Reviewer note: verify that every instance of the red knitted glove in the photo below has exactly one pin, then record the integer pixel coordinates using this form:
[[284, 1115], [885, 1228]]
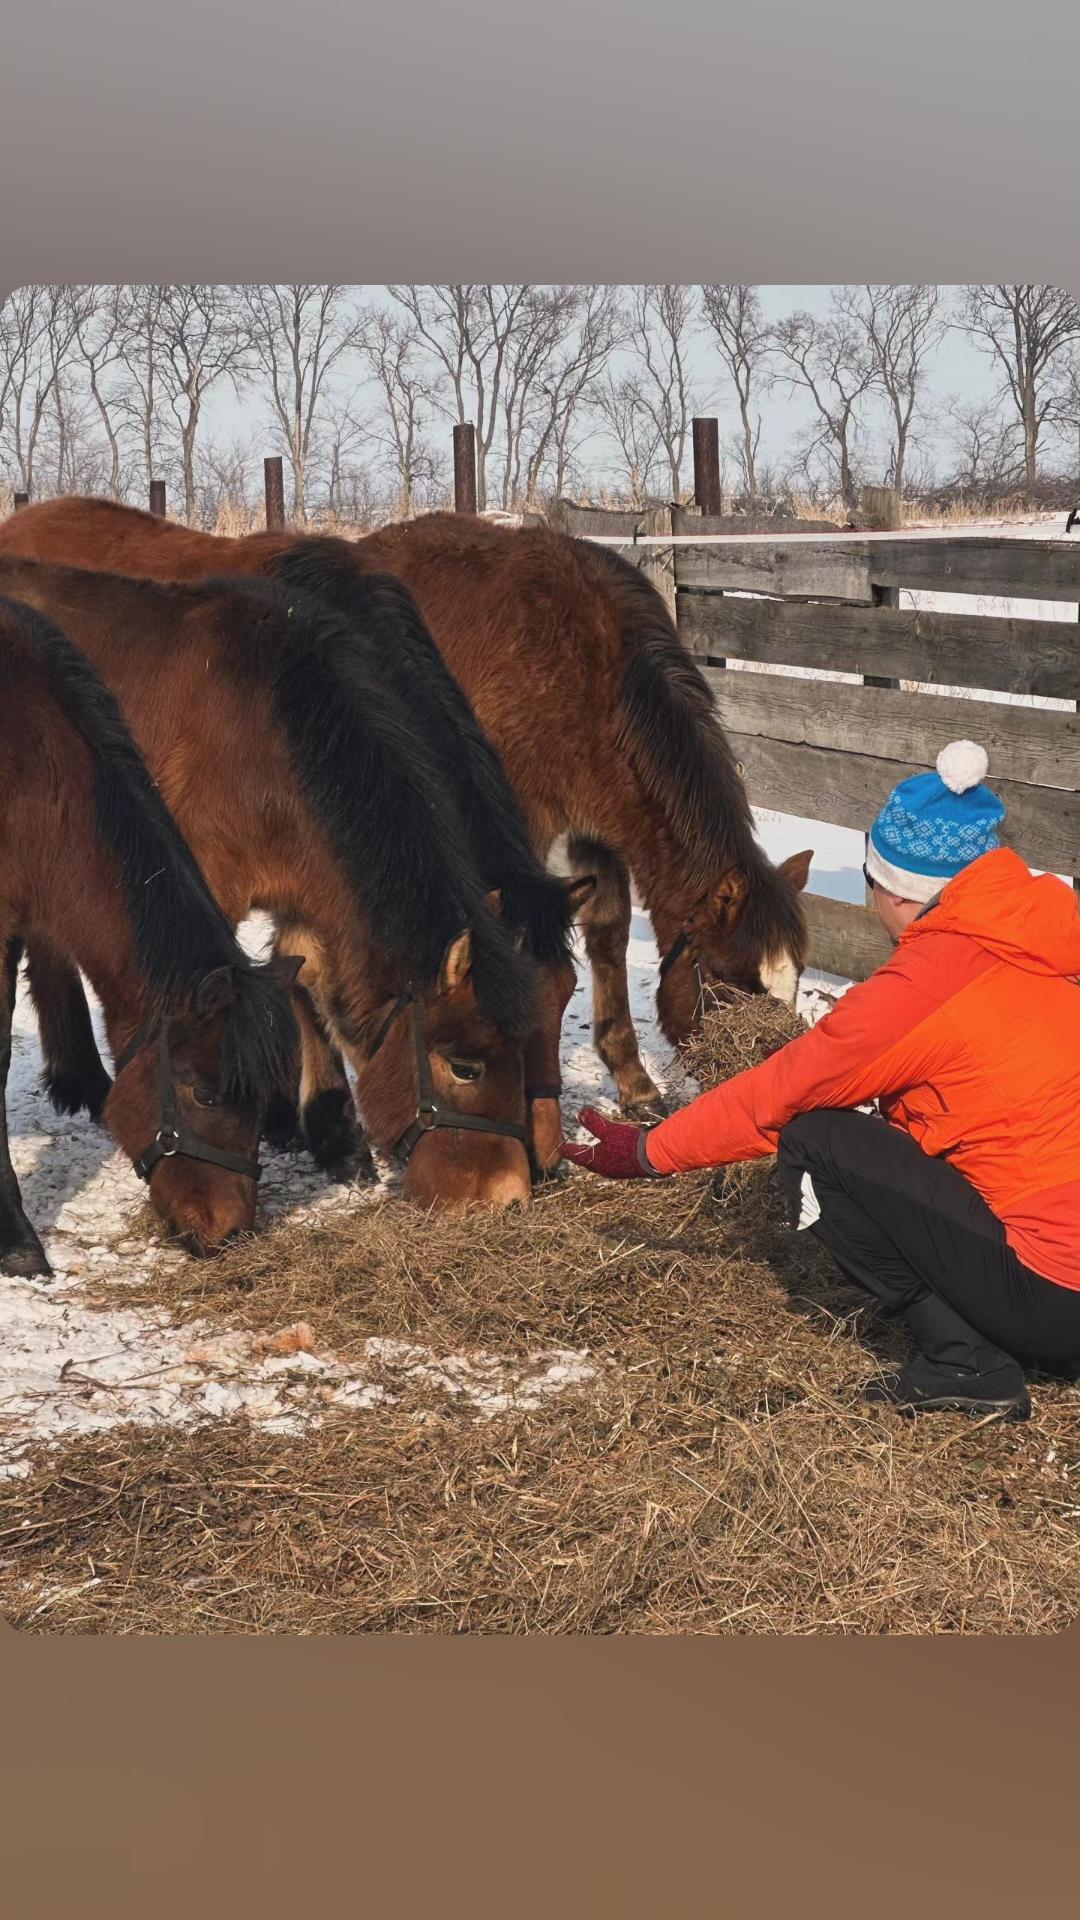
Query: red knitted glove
[[620, 1150]]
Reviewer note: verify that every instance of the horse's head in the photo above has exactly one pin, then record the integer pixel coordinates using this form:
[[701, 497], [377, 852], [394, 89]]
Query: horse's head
[[748, 932], [189, 1095], [443, 1085]]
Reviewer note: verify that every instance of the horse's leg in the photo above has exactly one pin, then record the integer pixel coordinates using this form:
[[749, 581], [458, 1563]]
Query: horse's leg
[[605, 924], [21, 1251], [543, 1073], [328, 1121], [72, 1072]]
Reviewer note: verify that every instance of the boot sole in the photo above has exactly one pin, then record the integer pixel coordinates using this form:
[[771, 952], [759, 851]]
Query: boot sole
[[949, 1403]]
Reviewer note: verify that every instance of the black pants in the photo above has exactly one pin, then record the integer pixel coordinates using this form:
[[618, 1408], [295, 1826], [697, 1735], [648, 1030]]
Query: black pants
[[915, 1233]]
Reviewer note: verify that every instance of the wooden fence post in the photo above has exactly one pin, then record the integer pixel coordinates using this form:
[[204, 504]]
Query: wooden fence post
[[274, 490], [19, 500], [465, 467], [157, 498], [707, 465]]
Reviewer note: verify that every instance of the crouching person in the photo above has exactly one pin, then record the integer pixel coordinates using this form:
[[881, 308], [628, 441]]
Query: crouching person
[[959, 1207]]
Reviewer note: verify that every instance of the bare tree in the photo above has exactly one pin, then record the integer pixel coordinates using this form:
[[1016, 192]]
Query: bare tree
[[295, 337], [902, 328], [545, 318], [36, 335], [630, 419], [390, 350], [483, 338], [1024, 329], [99, 336], [744, 342], [598, 328], [200, 340], [1067, 406], [986, 445], [141, 388], [661, 327], [830, 361]]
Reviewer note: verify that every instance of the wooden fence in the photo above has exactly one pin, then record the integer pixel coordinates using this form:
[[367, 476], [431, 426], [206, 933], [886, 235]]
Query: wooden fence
[[830, 750]]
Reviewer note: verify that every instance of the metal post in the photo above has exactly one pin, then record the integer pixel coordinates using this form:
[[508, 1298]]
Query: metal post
[[274, 487], [707, 465], [465, 467], [157, 498], [19, 500]]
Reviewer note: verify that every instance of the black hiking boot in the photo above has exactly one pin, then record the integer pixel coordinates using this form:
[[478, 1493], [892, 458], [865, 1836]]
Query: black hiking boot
[[926, 1387]]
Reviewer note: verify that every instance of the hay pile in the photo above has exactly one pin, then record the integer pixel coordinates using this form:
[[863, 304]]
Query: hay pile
[[718, 1474]]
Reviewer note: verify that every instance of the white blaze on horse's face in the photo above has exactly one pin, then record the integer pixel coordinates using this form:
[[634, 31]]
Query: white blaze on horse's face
[[780, 977]]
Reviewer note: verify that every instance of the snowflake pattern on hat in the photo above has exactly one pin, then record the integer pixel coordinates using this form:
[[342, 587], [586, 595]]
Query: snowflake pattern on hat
[[936, 823]]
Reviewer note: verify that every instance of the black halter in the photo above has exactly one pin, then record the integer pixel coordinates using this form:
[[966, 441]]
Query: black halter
[[174, 1136], [430, 1113]]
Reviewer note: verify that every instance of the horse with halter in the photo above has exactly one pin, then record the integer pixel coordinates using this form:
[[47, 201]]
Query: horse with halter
[[297, 777], [94, 871], [605, 728]]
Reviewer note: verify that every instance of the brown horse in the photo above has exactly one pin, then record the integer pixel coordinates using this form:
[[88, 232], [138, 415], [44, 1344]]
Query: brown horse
[[606, 729], [93, 868], [303, 793]]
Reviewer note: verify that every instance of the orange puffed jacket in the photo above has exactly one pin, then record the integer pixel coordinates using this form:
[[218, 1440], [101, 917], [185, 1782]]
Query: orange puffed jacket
[[969, 1039]]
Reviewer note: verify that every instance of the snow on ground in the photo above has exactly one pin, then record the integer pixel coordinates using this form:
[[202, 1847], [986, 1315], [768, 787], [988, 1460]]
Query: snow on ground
[[71, 1363]]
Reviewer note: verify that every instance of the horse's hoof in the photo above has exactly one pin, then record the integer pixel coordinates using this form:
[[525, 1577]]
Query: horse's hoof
[[26, 1263], [652, 1107], [336, 1141], [78, 1092], [550, 1176], [281, 1125]]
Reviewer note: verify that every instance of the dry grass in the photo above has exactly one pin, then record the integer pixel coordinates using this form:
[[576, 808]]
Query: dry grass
[[719, 1474]]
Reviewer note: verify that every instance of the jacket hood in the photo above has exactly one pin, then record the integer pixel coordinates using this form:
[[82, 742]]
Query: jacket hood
[[1030, 922]]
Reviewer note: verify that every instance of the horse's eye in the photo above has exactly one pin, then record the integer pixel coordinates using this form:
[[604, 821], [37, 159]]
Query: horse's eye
[[465, 1069], [205, 1097]]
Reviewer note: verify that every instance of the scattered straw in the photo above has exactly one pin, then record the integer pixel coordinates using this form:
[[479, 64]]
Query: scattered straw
[[715, 1472]]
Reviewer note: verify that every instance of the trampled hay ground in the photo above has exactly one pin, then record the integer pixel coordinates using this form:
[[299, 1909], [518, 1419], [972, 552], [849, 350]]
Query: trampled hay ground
[[649, 1422]]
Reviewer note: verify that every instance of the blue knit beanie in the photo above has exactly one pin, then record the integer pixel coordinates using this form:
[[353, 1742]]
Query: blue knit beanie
[[935, 824]]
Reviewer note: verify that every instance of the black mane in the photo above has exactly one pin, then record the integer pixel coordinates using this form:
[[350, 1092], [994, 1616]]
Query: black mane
[[384, 805], [679, 750], [384, 617], [673, 738], [179, 932]]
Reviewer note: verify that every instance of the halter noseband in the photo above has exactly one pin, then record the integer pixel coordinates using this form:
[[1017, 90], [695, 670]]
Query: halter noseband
[[174, 1137], [430, 1113]]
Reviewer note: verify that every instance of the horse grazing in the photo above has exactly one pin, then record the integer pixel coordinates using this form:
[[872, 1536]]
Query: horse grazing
[[94, 870], [297, 778], [606, 729]]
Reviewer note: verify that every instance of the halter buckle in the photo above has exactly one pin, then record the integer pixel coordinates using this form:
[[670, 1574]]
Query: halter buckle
[[168, 1133]]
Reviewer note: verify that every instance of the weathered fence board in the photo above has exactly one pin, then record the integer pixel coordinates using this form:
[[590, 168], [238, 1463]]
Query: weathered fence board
[[736, 525], [1030, 744], [943, 649], [850, 941], [801, 567], [847, 789], [846, 567]]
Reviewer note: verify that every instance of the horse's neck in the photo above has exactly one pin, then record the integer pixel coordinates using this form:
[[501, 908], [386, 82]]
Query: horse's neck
[[80, 908], [655, 859]]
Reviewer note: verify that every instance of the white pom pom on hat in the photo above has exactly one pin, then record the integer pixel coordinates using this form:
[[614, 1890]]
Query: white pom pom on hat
[[962, 764]]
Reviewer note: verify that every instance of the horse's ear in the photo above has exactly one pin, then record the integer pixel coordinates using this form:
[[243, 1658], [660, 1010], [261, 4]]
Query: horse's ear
[[493, 901], [796, 869], [457, 963], [579, 889], [215, 992]]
